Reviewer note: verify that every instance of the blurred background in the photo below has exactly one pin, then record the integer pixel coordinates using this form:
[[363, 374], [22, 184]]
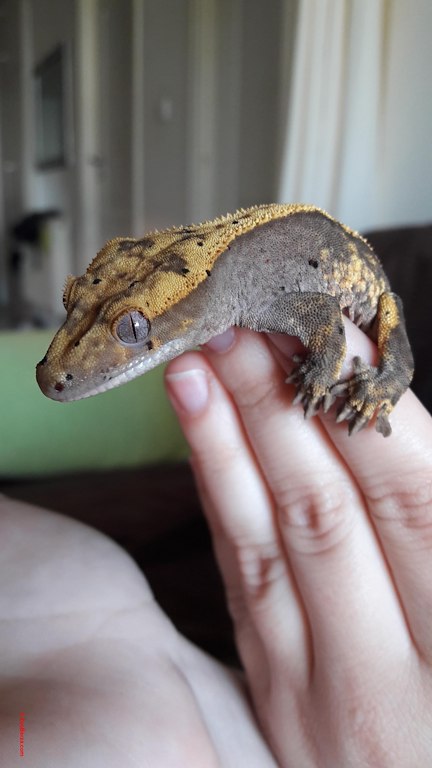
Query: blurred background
[[120, 116]]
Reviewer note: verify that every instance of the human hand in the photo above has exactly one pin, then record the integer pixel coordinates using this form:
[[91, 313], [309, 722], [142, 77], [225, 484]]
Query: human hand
[[325, 547], [94, 671]]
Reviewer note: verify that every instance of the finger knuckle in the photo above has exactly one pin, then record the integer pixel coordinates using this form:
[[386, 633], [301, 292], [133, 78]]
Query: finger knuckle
[[260, 394], [316, 521], [407, 503], [259, 566]]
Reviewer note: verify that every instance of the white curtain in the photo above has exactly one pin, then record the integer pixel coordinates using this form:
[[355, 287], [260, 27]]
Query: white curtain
[[359, 95]]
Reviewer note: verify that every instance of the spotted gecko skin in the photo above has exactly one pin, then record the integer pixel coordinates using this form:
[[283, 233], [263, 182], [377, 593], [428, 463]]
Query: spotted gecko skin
[[276, 268]]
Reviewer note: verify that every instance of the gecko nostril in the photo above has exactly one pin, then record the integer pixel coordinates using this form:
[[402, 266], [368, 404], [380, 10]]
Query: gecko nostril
[[69, 377]]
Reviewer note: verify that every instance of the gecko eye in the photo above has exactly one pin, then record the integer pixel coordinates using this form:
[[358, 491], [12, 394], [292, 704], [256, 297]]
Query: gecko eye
[[132, 327]]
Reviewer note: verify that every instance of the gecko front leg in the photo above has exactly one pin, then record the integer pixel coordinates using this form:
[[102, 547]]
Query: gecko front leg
[[316, 319]]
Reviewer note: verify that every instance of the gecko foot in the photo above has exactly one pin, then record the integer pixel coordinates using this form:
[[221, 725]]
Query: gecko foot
[[366, 394], [313, 390]]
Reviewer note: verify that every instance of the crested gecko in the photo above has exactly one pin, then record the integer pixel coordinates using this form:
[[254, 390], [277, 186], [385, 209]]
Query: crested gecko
[[276, 268]]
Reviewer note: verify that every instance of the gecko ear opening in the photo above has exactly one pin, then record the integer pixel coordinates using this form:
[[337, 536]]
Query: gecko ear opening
[[131, 327]]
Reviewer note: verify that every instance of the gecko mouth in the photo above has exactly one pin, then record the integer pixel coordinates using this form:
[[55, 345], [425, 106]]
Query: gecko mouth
[[68, 395], [67, 387]]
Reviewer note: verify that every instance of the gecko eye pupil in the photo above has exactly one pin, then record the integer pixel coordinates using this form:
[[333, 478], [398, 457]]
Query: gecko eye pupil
[[132, 327]]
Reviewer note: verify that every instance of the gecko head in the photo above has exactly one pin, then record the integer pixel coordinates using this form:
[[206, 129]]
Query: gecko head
[[127, 313], [81, 364], [120, 321]]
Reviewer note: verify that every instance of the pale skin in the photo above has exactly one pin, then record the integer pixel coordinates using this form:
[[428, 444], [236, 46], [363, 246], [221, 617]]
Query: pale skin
[[324, 543]]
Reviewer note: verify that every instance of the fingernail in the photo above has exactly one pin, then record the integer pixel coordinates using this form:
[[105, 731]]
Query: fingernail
[[188, 390], [223, 342]]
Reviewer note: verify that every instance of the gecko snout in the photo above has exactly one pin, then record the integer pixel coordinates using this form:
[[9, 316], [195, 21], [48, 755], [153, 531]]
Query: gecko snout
[[53, 386]]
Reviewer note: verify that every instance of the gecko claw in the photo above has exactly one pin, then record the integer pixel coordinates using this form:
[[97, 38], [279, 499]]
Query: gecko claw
[[357, 423], [329, 399], [293, 378], [298, 398], [346, 413], [311, 408]]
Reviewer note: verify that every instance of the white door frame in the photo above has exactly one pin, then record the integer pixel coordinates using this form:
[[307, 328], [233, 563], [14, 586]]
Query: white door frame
[[87, 222]]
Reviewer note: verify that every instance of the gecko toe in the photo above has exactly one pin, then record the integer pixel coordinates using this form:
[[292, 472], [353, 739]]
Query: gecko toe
[[383, 425], [340, 389]]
